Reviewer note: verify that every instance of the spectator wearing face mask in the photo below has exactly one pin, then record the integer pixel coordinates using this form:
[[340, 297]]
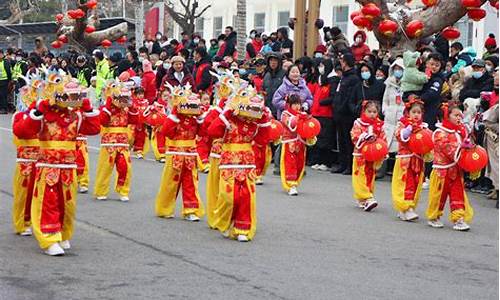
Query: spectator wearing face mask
[[161, 71], [202, 67], [359, 49], [491, 63], [464, 58], [178, 75], [370, 88], [381, 73], [491, 46], [214, 47], [255, 44], [481, 81], [156, 49]]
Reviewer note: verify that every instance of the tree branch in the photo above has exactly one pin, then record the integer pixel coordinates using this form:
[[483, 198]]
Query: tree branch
[[203, 11]]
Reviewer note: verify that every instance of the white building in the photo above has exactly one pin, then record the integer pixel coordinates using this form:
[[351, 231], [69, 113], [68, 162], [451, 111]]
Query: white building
[[268, 15]]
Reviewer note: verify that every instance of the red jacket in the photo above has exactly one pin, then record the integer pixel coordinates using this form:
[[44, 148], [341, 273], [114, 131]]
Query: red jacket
[[361, 49], [148, 83], [170, 78], [320, 93]]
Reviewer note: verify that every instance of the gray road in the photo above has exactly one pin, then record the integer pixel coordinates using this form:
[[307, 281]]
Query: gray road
[[314, 246]]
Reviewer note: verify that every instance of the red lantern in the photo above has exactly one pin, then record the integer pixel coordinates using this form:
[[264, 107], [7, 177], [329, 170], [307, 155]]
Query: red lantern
[[414, 29], [275, 130], [89, 29], [371, 11], [72, 14], [494, 3], [375, 151], [354, 14], [388, 28], [476, 14], [421, 142], [361, 21], [79, 14], [122, 39], [473, 160], [91, 4], [106, 43], [59, 18], [56, 44], [429, 3], [155, 118], [450, 33], [308, 128], [470, 4], [63, 38]]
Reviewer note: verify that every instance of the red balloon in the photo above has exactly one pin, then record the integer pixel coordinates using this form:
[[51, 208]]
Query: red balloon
[[89, 29], [450, 33], [275, 130], [308, 128], [421, 142], [91, 4], [59, 18], [56, 44], [63, 38], [375, 151], [473, 160], [106, 43]]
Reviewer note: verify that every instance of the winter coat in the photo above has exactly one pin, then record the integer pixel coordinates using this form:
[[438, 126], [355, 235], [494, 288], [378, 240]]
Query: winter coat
[[148, 83], [473, 87], [170, 78], [253, 48], [272, 81], [229, 46], [465, 58], [338, 44], [413, 80], [392, 107], [344, 105], [320, 93], [288, 88], [361, 49], [431, 96]]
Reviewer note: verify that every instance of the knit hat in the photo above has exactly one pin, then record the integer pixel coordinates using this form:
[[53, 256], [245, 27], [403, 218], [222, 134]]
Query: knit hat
[[147, 66], [493, 59], [490, 42], [177, 58], [321, 49]]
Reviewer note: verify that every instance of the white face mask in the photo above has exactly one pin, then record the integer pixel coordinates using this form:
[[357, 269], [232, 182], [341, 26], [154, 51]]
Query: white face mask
[[359, 40], [489, 68], [321, 70], [18, 58], [196, 41], [252, 36], [166, 66], [141, 59]]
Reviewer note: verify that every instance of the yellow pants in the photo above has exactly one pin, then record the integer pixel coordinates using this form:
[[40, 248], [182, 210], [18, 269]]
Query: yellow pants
[[292, 165], [158, 150], [22, 188], [406, 186], [105, 165], [363, 179], [83, 175], [227, 216], [440, 189], [45, 207], [212, 191], [172, 181]]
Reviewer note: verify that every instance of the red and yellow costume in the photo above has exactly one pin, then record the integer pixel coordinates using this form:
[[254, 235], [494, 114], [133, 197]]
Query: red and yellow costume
[[180, 171], [293, 153], [263, 153], [203, 144], [235, 211], [447, 179], [82, 162], [54, 195], [408, 175], [115, 118], [140, 131], [363, 172]]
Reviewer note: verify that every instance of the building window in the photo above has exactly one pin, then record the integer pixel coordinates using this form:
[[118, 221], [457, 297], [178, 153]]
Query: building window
[[259, 22], [283, 17], [234, 22], [341, 17], [466, 27], [199, 26], [217, 26]]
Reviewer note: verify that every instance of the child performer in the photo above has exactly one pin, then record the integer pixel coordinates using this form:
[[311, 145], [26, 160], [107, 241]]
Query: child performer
[[293, 154], [140, 131], [203, 143], [158, 139], [263, 154], [408, 175], [367, 128], [180, 171], [115, 117], [447, 179]]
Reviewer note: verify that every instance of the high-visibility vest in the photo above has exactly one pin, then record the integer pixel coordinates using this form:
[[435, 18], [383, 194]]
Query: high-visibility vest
[[18, 69], [3, 72], [81, 77]]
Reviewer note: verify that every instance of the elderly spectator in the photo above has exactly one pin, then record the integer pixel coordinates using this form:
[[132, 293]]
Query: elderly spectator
[[177, 74], [481, 81]]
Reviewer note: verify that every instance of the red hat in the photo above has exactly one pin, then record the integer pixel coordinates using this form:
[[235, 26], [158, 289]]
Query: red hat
[[321, 48], [490, 42]]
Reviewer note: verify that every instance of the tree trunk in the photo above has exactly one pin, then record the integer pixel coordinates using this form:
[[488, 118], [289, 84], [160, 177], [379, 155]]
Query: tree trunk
[[241, 27]]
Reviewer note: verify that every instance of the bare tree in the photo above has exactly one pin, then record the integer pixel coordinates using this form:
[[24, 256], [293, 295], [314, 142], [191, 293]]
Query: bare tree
[[434, 18], [19, 9], [74, 29], [187, 16]]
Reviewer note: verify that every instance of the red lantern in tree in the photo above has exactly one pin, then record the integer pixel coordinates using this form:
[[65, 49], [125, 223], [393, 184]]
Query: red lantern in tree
[[361, 21], [59, 18], [371, 11], [79, 14], [122, 39], [308, 128], [63, 38], [494, 3], [275, 130], [72, 14], [89, 29], [473, 160], [375, 150], [106, 43], [56, 44], [388, 28], [450, 33], [414, 28], [429, 3], [354, 14], [476, 14], [91, 4], [421, 142], [470, 4]]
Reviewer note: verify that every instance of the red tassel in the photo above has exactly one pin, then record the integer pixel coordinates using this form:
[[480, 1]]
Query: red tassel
[[35, 192], [25, 182], [176, 177], [68, 195]]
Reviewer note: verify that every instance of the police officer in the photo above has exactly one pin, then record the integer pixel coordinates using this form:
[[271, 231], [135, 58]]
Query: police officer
[[5, 78], [84, 72]]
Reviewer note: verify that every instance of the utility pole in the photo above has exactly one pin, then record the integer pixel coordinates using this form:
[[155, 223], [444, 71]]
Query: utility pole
[[139, 25], [299, 29]]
